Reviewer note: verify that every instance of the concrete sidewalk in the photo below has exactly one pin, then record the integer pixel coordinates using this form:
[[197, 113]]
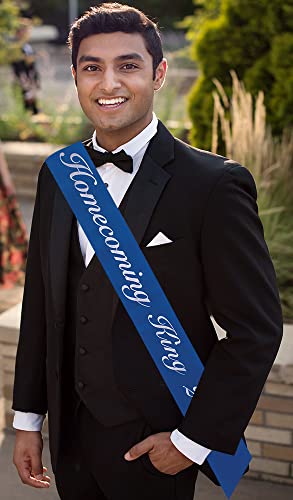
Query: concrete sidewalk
[[11, 487]]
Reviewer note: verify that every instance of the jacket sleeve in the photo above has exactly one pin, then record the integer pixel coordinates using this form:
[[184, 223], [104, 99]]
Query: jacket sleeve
[[30, 392], [242, 295]]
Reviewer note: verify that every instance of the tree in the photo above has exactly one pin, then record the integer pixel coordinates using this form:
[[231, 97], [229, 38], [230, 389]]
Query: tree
[[166, 12], [254, 38], [9, 22]]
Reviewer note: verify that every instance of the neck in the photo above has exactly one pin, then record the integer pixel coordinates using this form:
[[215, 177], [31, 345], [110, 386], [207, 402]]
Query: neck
[[111, 140]]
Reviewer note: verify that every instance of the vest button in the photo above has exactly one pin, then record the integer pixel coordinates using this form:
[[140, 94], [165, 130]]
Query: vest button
[[82, 351], [83, 320], [80, 384], [84, 287], [59, 324]]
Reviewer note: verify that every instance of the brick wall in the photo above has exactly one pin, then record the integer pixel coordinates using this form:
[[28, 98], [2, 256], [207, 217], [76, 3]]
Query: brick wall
[[270, 432]]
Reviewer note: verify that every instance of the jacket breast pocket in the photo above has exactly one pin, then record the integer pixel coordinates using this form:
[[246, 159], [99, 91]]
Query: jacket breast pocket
[[169, 255]]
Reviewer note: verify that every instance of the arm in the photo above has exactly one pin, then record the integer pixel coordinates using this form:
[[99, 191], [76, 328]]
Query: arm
[[30, 388], [242, 295], [29, 394]]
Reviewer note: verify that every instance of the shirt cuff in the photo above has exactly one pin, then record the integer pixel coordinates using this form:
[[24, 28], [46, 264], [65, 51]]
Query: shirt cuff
[[25, 421], [190, 449]]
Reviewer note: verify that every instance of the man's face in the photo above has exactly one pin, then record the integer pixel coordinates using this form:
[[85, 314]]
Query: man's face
[[115, 85]]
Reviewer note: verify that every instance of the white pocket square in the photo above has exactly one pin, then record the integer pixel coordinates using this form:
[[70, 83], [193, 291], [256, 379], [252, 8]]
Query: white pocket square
[[159, 239]]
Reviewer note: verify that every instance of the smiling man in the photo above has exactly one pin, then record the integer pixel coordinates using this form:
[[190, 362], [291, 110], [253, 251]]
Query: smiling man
[[115, 430], [116, 87]]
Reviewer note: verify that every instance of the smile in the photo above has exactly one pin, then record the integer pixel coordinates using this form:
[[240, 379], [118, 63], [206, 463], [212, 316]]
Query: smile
[[111, 103]]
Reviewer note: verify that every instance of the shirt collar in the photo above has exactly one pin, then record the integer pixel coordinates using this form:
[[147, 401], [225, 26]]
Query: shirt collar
[[133, 146]]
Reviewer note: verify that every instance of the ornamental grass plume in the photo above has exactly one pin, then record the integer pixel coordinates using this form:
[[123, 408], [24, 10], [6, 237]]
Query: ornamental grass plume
[[240, 123]]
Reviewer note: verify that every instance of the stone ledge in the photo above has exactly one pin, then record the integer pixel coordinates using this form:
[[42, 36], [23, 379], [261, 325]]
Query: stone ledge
[[25, 160], [283, 373], [38, 150]]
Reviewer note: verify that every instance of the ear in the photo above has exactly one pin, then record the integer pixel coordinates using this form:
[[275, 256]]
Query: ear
[[161, 72], [73, 72]]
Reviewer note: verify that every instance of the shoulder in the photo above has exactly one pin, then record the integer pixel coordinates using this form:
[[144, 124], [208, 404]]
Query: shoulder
[[209, 168], [200, 160], [45, 177], [46, 186]]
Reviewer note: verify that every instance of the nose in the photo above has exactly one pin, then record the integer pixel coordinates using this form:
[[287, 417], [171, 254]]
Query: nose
[[109, 81]]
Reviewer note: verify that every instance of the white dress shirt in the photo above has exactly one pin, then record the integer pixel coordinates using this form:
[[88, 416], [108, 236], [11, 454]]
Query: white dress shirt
[[118, 183]]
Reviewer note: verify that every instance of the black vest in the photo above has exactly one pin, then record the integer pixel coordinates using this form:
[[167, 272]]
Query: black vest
[[87, 350]]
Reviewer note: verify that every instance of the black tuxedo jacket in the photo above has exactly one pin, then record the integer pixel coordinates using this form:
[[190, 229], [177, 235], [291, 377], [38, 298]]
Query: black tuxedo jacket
[[218, 264]]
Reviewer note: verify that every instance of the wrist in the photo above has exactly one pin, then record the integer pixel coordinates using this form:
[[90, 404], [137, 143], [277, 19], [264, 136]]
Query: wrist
[[24, 432]]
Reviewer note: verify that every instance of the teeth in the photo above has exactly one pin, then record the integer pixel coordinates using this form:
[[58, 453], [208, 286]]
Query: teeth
[[118, 100]]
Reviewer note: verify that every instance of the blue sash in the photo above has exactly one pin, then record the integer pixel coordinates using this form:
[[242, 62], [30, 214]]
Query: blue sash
[[139, 291]]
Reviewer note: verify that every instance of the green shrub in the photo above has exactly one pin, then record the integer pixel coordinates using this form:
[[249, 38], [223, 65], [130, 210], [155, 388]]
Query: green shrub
[[9, 21], [255, 38]]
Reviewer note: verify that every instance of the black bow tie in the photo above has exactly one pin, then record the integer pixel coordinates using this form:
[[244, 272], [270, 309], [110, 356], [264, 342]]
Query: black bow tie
[[121, 159]]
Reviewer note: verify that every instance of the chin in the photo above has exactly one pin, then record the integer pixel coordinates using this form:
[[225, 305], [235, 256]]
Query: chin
[[111, 126]]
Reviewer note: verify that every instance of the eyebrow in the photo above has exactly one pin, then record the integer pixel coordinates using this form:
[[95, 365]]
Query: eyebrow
[[125, 57]]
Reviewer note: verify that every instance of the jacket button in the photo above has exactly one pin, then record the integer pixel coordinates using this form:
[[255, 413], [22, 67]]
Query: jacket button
[[80, 384], [82, 351], [83, 320], [84, 287]]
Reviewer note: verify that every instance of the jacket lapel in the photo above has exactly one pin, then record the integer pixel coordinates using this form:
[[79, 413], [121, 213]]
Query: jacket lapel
[[147, 187], [149, 183], [62, 219]]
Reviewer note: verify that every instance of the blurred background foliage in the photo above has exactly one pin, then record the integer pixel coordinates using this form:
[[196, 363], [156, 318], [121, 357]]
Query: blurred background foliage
[[247, 117], [253, 37], [164, 11], [9, 22], [241, 123]]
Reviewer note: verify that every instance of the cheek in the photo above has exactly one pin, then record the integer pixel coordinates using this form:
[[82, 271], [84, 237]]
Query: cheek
[[143, 89], [83, 91]]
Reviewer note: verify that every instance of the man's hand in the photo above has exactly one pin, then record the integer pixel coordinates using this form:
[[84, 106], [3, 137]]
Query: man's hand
[[163, 454], [27, 458]]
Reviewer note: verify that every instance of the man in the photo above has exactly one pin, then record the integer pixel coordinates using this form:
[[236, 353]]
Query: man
[[115, 430]]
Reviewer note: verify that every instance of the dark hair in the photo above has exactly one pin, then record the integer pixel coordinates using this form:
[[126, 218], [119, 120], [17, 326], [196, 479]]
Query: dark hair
[[113, 17]]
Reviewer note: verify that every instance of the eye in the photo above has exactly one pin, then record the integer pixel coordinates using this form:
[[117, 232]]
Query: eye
[[129, 66], [90, 68]]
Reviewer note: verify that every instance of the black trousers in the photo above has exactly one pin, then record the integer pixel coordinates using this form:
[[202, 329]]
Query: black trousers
[[91, 464]]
